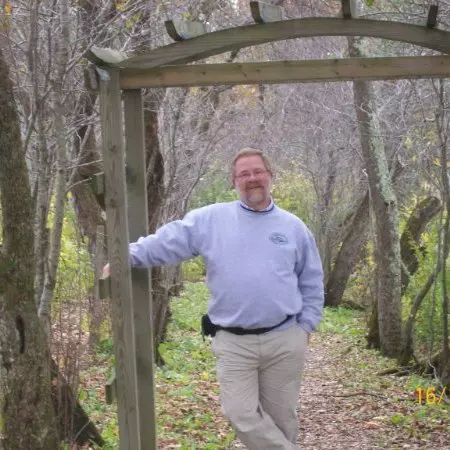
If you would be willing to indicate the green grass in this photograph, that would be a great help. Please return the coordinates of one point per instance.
(343, 321)
(187, 393)
(187, 384)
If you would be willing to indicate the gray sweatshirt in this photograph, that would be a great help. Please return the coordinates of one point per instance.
(261, 266)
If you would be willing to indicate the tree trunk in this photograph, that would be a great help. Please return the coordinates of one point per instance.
(384, 204)
(88, 208)
(373, 335)
(61, 167)
(411, 235)
(26, 407)
(352, 247)
(442, 124)
(42, 204)
(349, 254)
(415, 226)
(430, 207)
(155, 201)
(407, 348)
(324, 212)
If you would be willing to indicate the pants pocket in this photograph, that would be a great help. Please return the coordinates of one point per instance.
(215, 343)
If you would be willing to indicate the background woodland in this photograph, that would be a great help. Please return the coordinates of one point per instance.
(364, 165)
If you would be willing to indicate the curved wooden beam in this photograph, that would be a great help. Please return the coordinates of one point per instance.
(236, 38)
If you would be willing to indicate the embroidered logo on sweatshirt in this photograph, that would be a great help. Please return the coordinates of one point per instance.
(278, 238)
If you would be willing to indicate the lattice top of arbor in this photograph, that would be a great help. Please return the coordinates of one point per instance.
(168, 65)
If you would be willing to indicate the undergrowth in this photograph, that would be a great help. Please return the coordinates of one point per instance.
(187, 392)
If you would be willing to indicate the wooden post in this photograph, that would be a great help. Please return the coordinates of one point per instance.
(141, 283)
(265, 13)
(117, 225)
(432, 16)
(111, 390)
(346, 9)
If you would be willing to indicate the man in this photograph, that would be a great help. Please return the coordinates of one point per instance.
(266, 282)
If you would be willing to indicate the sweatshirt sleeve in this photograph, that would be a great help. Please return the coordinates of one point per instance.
(310, 283)
(172, 243)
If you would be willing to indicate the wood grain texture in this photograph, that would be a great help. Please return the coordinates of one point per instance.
(141, 283)
(346, 9)
(104, 288)
(121, 297)
(350, 69)
(98, 183)
(111, 390)
(236, 38)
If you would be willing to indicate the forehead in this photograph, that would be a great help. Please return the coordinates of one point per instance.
(249, 162)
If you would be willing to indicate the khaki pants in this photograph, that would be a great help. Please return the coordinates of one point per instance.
(259, 378)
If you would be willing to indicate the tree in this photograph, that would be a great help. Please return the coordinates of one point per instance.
(384, 204)
(61, 167)
(442, 126)
(409, 242)
(25, 391)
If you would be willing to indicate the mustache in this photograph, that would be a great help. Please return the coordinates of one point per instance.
(250, 186)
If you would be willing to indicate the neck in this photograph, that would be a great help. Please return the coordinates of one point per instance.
(260, 206)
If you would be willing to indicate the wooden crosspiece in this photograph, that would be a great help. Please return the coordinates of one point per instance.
(346, 69)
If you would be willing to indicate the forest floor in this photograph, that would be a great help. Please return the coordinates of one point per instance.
(343, 403)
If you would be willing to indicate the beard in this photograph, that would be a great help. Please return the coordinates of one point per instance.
(256, 194)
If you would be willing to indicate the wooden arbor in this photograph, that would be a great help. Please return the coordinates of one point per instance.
(125, 185)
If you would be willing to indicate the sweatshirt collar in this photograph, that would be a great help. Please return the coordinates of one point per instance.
(269, 208)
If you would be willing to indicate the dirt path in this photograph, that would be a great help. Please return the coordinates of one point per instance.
(345, 405)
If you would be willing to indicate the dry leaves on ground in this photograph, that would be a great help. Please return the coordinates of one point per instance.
(344, 405)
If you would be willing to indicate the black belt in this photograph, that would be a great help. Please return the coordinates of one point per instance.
(210, 329)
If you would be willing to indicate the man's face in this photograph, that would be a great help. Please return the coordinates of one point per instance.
(252, 181)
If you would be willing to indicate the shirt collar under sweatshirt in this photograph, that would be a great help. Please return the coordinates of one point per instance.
(269, 208)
